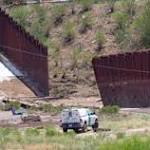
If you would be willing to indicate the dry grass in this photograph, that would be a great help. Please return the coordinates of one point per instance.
(124, 121)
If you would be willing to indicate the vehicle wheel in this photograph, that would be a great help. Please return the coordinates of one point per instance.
(76, 130)
(95, 126)
(84, 128)
(65, 130)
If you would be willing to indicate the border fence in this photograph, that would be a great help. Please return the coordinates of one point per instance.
(26, 53)
(124, 79)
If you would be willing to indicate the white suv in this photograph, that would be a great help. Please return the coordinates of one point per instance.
(78, 119)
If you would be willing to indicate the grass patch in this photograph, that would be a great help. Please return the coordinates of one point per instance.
(52, 139)
(68, 32)
(110, 109)
(12, 104)
(50, 108)
(131, 143)
(50, 132)
(57, 13)
(123, 121)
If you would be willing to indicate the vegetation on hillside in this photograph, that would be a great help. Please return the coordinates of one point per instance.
(130, 17)
(76, 32)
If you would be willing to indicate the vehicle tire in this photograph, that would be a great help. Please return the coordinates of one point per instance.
(65, 130)
(76, 130)
(95, 126)
(84, 128)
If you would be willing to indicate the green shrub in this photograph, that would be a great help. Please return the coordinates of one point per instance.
(54, 51)
(111, 4)
(37, 31)
(142, 24)
(129, 6)
(86, 23)
(86, 4)
(51, 132)
(41, 13)
(110, 109)
(12, 104)
(32, 132)
(121, 32)
(86, 58)
(40, 25)
(75, 57)
(120, 135)
(20, 14)
(8, 2)
(121, 19)
(50, 108)
(129, 143)
(5, 131)
(68, 32)
(121, 36)
(58, 11)
(100, 40)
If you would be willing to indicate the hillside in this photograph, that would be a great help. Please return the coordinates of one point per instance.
(76, 32)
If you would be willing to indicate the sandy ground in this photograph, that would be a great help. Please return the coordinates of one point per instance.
(6, 117)
(5, 74)
(10, 85)
(79, 101)
(14, 88)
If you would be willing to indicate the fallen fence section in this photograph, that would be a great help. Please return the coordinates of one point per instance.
(26, 53)
(124, 79)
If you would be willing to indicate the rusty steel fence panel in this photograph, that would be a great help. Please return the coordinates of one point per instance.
(124, 79)
(25, 52)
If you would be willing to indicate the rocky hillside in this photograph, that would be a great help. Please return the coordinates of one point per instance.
(76, 32)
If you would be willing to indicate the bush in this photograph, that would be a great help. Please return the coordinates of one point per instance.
(121, 37)
(100, 40)
(41, 13)
(129, 6)
(86, 4)
(75, 57)
(37, 31)
(111, 4)
(86, 58)
(51, 132)
(50, 108)
(32, 132)
(128, 143)
(121, 19)
(120, 135)
(54, 51)
(86, 23)
(20, 14)
(40, 26)
(8, 2)
(110, 109)
(142, 24)
(68, 32)
(58, 11)
(12, 104)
